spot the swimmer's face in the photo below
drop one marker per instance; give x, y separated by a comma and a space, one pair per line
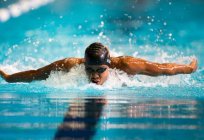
97, 74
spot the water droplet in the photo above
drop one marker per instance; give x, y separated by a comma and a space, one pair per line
4, 15
79, 27
165, 23
101, 33
50, 39
151, 30
101, 24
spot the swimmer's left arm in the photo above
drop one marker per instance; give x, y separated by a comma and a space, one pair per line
41, 73
139, 66
31, 75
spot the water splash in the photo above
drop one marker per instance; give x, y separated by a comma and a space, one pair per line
77, 79
73, 79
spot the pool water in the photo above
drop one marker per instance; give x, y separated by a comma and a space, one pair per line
66, 105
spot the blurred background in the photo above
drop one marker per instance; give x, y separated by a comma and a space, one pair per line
52, 29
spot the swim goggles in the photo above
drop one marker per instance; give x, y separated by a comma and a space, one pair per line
98, 70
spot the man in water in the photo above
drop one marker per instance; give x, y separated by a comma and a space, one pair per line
97, 63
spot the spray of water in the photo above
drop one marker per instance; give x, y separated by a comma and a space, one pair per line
77, 79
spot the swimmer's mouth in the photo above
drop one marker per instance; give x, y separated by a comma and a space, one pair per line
95, 81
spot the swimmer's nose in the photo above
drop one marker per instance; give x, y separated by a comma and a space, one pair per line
94, 75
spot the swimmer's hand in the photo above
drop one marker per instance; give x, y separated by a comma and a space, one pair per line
194, 64
3, 74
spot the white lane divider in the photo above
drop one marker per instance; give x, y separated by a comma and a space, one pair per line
20, 7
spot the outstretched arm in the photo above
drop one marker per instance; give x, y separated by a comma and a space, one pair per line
139, 66
41, 73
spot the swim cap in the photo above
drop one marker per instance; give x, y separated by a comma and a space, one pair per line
97, 54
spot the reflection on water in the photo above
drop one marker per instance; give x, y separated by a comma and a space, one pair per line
80, 119
153, 119
107, 116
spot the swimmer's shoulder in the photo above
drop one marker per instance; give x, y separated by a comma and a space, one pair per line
74, 61
116, 61
120, 61
68, 63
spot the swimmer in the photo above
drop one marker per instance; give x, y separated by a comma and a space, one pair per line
97, 62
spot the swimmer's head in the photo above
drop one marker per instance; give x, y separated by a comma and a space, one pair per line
97, 62
97, 54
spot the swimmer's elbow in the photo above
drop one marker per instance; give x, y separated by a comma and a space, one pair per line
151, 73
178, 70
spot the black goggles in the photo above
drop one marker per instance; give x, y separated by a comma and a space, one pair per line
98, 70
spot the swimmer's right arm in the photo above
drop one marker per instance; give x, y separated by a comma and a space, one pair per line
134, 66
41, 73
